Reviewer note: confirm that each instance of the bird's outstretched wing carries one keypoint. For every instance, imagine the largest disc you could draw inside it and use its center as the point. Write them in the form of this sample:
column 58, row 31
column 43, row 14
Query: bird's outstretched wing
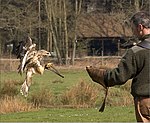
column 23, row 49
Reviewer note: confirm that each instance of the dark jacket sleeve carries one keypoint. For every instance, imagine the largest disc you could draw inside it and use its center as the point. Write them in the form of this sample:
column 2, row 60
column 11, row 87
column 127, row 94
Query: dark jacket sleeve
column 126, row 70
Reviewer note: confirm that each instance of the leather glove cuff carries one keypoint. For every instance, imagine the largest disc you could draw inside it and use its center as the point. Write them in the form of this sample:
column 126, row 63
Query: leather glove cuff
column 97, row 75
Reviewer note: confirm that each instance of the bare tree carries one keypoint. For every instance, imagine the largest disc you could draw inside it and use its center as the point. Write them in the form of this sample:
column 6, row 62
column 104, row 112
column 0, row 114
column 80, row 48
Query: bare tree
column 65, row 31
column 63, row 22
column 51, row 9
column 18, row 18
column 136, row 5
column 78, row 5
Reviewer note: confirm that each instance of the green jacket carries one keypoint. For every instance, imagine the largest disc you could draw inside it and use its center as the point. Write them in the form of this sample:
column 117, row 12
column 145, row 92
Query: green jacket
column 135, row 65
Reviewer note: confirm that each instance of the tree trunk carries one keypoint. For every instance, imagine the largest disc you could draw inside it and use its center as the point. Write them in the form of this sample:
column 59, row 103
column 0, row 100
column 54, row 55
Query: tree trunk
column 53, row 28
column 66, row 32
column 49, row 40
column 136, row 5
column 39, row 33
column 77, row 12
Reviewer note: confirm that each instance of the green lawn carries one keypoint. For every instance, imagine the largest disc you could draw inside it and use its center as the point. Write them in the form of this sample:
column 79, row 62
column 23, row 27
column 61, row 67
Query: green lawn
column 58, row 85
column 111, row 114
column 50, row 80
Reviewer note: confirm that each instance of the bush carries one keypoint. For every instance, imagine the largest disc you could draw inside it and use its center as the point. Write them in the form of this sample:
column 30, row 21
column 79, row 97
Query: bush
column 14, row 104
column 9, row 88
column 119, row 97
column 42, row 97
column 81, row 95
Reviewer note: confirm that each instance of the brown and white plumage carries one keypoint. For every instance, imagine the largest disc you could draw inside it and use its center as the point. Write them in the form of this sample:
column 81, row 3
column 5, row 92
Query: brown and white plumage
column 31, row 62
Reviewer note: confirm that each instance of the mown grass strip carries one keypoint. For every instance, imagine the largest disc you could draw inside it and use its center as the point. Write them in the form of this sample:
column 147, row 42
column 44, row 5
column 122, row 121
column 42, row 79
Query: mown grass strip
column 111, row 114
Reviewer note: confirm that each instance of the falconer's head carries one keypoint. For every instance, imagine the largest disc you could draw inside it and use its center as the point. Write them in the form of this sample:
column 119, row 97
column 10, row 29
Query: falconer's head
column 140, row 24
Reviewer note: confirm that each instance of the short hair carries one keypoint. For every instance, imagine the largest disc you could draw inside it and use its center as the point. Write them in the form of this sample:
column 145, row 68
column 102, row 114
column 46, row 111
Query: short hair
column 141, row 18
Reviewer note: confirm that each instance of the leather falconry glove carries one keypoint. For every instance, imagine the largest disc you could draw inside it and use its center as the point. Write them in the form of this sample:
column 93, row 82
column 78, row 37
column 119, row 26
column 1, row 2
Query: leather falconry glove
column 97, row 75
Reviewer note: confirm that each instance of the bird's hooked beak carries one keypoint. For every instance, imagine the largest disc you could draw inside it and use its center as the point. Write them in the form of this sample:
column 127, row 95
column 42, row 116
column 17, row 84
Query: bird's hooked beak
column 49, row 54
column 53, row 54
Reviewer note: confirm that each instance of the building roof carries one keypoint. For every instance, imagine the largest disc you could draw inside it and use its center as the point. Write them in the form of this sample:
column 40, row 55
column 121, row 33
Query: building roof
column 102, row 25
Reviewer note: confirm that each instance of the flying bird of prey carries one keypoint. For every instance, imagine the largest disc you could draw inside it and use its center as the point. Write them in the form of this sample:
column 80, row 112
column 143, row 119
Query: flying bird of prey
column 32, row 62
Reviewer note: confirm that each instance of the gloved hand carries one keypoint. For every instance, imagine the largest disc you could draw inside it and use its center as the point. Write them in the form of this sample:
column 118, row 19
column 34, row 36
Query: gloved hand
column 97, row 75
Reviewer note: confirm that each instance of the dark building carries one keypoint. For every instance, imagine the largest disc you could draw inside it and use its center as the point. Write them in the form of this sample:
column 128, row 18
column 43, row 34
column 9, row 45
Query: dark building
column 102, row 34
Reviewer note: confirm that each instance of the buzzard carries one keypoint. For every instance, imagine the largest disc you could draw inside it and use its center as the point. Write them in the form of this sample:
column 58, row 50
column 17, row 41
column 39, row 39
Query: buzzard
column 32, row 62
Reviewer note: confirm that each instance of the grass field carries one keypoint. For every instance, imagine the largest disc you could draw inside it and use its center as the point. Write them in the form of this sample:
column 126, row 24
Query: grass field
column 111, row 114
column 50, row 81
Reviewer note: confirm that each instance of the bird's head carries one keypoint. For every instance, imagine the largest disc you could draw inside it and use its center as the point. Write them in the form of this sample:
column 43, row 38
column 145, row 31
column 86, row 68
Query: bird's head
column 44, row 53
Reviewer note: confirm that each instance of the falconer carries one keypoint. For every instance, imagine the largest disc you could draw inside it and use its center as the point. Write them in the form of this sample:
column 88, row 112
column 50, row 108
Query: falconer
column 134, row 65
